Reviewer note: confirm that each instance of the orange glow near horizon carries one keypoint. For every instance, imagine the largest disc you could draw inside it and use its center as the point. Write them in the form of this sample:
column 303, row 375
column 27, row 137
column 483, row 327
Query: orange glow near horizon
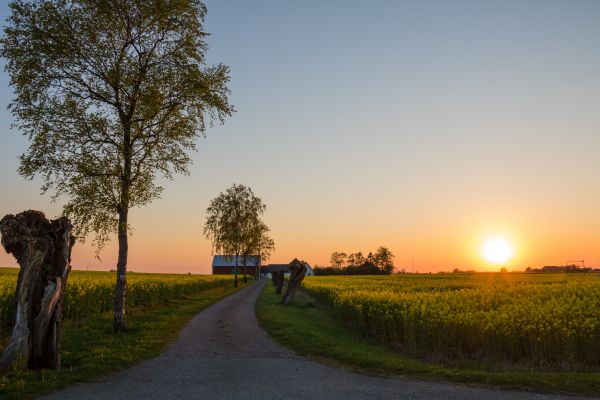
column 416, row 248
column 423, row 236
column 167, row 236
column 195, row 255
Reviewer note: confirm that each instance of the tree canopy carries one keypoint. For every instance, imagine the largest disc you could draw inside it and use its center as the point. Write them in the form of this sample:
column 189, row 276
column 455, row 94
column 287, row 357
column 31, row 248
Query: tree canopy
column 383, row 259
column 112, row 94
column 234, row 224
column 338, row 259
column 256, row 240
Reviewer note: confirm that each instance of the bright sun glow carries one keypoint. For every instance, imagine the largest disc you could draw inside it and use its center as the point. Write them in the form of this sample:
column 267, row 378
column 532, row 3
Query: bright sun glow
column 497, row 250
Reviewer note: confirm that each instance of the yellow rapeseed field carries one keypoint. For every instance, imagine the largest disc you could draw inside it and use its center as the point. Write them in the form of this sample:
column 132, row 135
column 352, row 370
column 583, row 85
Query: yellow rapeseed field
column 90, row 293
column 550, row 321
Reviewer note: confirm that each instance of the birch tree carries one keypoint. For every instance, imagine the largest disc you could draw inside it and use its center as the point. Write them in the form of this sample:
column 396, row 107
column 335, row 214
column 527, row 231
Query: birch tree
column 111, row 94
column 257, row 242
column 234, row 225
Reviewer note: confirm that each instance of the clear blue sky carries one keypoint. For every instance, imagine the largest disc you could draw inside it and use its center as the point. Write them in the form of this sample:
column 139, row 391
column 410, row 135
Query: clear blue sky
column 423, row 126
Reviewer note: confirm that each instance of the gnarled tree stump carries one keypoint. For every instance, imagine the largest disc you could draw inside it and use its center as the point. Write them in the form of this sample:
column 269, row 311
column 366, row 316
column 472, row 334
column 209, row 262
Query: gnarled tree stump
column 297, row 274
column 43, row 250
column 278, row 277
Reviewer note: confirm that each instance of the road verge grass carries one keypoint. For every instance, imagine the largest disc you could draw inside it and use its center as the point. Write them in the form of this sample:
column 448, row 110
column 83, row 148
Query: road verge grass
column 311, row 329
column 90, row 349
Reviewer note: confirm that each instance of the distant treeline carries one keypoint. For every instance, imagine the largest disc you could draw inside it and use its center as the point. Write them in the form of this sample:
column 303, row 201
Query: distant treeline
column 378, row 263
column 365, row 269
column 548, row 269
column 555, row 268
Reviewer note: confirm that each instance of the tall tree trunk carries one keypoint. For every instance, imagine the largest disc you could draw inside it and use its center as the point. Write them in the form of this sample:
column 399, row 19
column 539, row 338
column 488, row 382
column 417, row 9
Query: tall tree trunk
column 235, row 280
column 43, row 250
column 280, row 278
column 119, row 322
column 245, row 261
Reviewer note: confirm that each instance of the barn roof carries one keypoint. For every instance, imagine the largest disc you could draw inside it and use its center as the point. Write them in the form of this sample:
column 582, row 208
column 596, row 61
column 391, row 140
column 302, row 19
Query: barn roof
column 229, row 261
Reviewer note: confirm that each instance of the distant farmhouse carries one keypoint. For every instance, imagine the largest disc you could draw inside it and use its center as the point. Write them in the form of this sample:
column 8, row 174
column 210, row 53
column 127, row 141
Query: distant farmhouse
column 226, row 265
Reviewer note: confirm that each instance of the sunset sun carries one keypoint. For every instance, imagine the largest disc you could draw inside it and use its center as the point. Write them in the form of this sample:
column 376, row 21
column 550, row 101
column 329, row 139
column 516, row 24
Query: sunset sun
column 497, row 250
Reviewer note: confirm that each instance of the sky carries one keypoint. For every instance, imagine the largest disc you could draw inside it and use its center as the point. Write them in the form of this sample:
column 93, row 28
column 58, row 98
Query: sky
column 427, row 127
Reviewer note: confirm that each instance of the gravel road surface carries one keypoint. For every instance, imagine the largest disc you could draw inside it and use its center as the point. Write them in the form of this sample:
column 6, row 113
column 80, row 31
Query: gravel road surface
column 223, row 354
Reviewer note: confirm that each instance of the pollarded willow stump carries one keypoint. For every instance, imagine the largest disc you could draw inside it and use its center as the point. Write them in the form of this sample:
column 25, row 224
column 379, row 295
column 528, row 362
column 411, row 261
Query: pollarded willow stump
column 297, row 274
column 43, row 250
column 279, row 279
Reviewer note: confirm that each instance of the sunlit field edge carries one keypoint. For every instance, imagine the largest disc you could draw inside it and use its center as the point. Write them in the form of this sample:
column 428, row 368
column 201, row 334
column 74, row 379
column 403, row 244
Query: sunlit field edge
column 314, row 327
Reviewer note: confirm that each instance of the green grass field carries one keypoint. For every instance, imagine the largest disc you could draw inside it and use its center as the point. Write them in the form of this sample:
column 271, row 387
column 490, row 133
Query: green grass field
column 91, row 349
column 314, row 327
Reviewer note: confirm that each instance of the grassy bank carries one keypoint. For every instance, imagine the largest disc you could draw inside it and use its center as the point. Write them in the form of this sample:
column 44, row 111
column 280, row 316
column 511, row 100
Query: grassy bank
column 312, row 330
column 91, row 349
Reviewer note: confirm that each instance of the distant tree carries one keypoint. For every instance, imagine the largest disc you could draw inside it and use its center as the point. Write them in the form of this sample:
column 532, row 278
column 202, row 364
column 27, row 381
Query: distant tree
column 528, row 269
column 503, row 270
column 456, row 271
column 338, row 259
column 112, row 94
column 383, row 259
column 256, row 241
column 233, row 224
column 356, row 259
